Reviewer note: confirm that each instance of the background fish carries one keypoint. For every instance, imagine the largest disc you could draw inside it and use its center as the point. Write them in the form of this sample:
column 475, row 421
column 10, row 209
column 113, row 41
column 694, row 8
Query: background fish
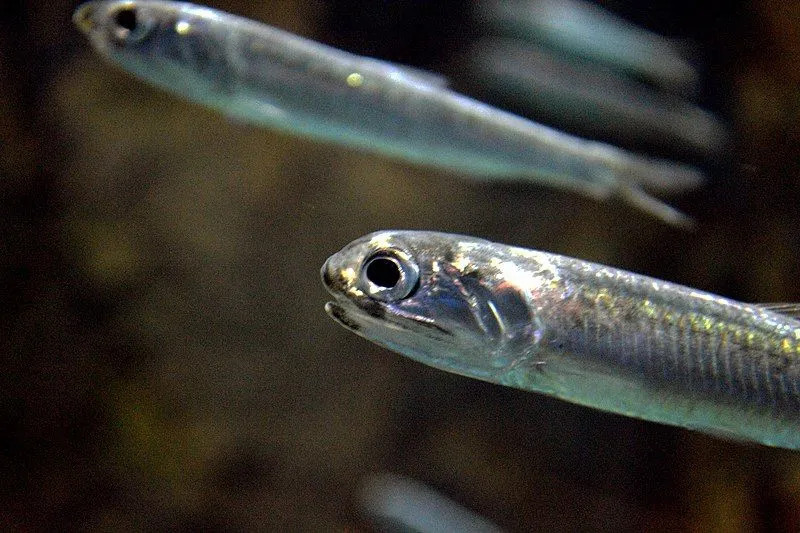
column 592, row 100
column 585, row 29
column 403, row 505
column 270, row 77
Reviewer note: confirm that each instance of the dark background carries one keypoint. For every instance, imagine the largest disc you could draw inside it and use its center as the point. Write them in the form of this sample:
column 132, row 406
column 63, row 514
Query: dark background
column 166, row 361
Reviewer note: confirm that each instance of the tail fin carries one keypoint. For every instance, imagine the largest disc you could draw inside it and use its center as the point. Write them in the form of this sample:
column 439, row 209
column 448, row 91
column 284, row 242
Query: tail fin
column 638, row 198
column 640, row 173
column 661, row 176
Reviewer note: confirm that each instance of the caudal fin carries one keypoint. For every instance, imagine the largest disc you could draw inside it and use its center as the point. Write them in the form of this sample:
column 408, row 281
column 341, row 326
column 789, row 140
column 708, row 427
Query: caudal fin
column 636, row 175
column 637, row 197
column 662, row 176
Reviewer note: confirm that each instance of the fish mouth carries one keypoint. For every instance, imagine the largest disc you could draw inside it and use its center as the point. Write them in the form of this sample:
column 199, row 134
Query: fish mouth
column 336, row 309
column 327, row 278
column 338, row 313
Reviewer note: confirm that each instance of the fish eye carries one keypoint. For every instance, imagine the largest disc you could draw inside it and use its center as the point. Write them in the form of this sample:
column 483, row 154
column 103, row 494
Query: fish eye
column 389, row 275
column 383, row 272
column 129, row 25
column 126, row 18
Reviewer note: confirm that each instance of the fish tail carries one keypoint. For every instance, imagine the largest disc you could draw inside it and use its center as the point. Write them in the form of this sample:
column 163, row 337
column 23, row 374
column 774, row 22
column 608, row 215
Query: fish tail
column 661, row 176
column 635, row 176
column 637, row 197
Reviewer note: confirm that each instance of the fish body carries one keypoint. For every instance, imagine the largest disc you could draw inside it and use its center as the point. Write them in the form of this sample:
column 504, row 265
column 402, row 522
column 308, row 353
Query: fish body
column 586, row 30
column 401, row 504
column 578, row 331
column 566, row 91
column 266, row 76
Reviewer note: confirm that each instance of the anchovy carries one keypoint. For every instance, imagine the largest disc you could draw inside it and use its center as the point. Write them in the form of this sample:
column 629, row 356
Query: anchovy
column 564, row 91
column 586, row 30
column 262, row 75
column 582, row 332
column 401, row 504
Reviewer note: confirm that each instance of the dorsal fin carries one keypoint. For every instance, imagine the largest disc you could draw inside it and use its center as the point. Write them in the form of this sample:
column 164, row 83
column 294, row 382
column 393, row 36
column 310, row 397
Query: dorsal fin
column 788, row 309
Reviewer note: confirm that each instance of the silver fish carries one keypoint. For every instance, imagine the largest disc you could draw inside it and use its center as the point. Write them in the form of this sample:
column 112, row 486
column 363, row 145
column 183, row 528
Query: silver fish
column 269, row 77
column 401, row 504
column 578, row 331
column 584, row 29
column 565, row 91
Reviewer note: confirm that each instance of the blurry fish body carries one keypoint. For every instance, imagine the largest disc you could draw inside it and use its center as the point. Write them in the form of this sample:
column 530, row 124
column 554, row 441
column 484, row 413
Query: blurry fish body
column 592, row 100
column 582, row 332
column 269, row 77
column 397, row 503
column 586, row 30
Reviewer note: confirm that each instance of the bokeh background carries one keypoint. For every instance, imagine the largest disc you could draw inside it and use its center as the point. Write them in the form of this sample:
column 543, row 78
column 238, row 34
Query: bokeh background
column 166, row 360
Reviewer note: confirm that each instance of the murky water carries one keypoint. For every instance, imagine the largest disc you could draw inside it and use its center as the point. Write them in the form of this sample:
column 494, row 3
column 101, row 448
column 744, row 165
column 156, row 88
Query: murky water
column 167, row 360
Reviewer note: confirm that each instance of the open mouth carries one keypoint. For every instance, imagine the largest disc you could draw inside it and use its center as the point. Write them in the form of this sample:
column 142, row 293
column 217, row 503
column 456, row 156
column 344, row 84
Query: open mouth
column 338, row 313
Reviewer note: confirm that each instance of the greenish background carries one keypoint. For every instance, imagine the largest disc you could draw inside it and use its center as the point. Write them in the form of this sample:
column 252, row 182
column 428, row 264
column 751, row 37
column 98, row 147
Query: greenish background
column 166, row 361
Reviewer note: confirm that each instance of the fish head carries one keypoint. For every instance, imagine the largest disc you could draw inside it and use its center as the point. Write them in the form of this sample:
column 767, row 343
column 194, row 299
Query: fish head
column 429, row 296
column 174, row 45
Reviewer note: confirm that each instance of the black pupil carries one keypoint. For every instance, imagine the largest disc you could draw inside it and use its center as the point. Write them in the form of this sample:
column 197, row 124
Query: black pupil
column 383, row 272
column 126, row 18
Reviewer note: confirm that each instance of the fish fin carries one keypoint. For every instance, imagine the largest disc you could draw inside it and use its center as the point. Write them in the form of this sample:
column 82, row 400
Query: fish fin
column 638, row 198
column 788, row 309
column 661, row 176
column 721, row 433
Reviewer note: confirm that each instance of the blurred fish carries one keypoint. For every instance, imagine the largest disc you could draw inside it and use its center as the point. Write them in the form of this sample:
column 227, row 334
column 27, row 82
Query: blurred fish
column 589, row 31
column 578, row 331
column 397, row 503
column 267, row 76
column 592, row 99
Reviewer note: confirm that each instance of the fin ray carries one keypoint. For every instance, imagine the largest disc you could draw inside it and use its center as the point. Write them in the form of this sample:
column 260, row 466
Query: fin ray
column 788, row 309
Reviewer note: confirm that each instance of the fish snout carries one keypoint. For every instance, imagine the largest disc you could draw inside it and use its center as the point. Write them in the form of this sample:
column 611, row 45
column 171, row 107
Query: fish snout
column 337, row 275
column 326, row 274
column 85, row 17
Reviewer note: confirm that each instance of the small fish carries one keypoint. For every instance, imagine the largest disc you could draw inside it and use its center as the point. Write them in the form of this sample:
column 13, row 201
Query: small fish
column 582, row 332
column 401, row 504
column 565, row 91
column 584, row 29
column 262, row 75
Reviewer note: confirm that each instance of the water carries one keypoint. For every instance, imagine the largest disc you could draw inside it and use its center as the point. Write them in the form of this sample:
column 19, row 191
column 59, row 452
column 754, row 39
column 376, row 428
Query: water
column 167, row 359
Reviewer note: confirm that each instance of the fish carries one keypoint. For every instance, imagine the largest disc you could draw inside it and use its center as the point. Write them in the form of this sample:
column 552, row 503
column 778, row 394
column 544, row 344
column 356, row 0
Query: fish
column 402, row 504
column 586, row 30
column 565, row 91
column 586, row 333
column 262, row 75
